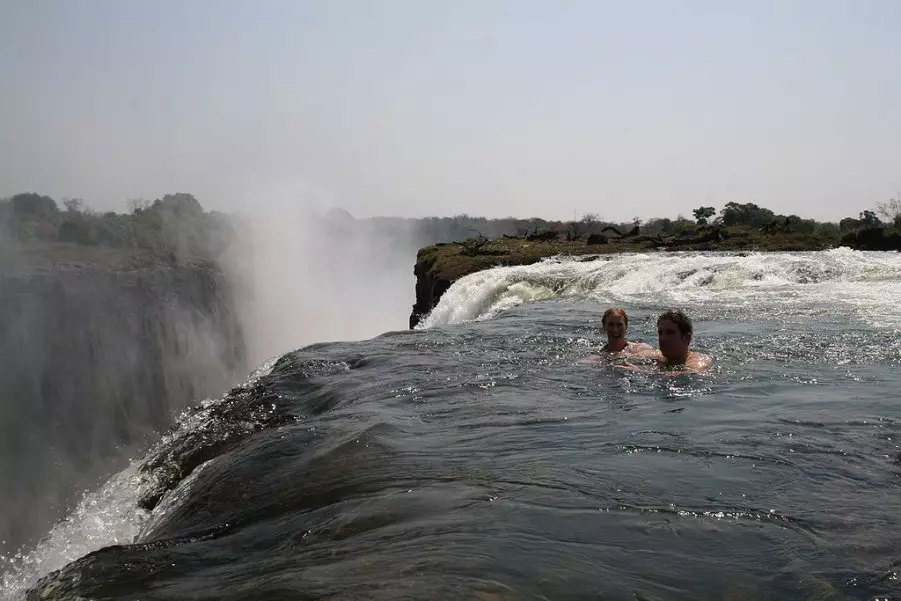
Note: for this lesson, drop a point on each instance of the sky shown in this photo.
(486, 107)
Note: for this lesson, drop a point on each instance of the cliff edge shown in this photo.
(100, 348)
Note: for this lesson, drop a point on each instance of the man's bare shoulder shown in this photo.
(694, 363)
(698, 361)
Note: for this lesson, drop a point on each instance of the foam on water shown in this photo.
(107, 516)
(864, 284)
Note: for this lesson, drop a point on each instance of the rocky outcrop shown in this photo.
(100, 349)
(430, 284)
(873, 239)
(439, 265)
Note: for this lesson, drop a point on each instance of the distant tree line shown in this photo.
(177, 223)
(732, 215)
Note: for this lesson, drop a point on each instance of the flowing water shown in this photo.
(477, 458)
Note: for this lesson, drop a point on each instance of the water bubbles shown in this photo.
(105, 517)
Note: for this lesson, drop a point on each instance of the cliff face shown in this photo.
(99, 349)
(430, 285)
(873, 239)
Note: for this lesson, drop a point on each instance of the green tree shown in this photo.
(746, 214)
(78, 230)
(826, 229)
(868, 219)
(848, 224)
(30, 204)
(73, 205)
(180, 204)
(891, 210)
(702, 214)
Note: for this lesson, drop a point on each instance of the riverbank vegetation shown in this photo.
(178, 224)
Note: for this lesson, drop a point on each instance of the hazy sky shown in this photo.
(485, 107)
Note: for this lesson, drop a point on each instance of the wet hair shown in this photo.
(682, 321)
(615, 311)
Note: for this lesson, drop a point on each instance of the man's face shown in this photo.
(673, 344)
(615, 326)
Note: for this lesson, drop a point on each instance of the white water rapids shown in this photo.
(841, 281)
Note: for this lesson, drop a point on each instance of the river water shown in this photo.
(477, 458)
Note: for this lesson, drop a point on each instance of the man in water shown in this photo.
(615, 323)
(674, 331)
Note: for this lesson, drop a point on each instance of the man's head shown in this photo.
(615, 322)
(674, 332)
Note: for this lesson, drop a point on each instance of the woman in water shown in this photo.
(615, 323)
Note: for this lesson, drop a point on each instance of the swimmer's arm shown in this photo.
(640, 349)
(697, 364)
(633, 367)
(592, 360)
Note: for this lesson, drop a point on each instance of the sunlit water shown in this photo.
(479, 459)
